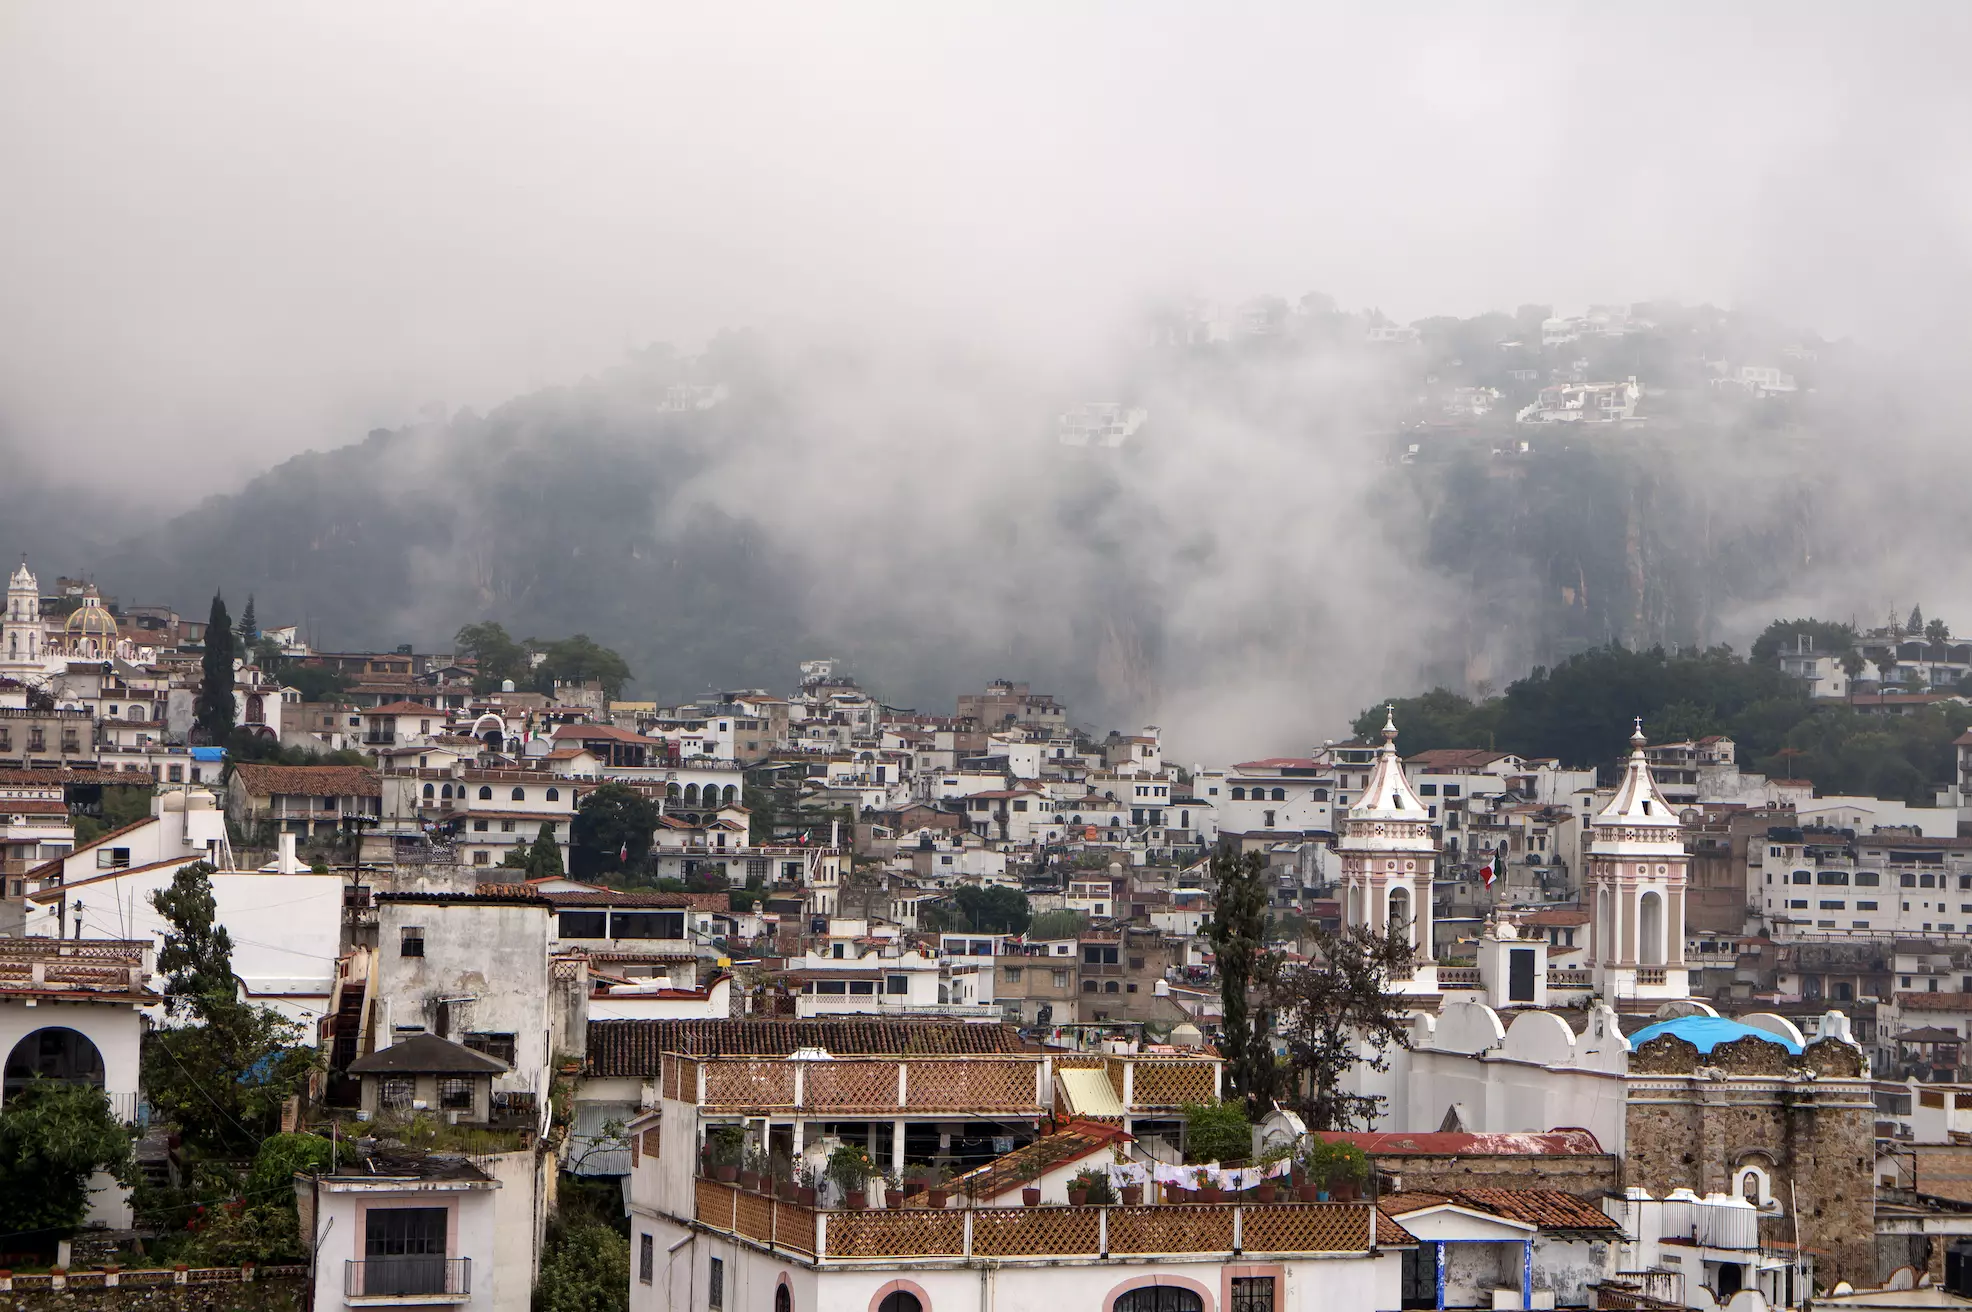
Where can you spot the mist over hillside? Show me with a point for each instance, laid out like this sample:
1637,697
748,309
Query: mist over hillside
1297,525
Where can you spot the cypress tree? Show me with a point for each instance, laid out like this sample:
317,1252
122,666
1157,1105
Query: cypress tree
213,712
1236,931
249,627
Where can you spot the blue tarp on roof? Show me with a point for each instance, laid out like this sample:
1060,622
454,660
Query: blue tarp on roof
208,753
1707,1032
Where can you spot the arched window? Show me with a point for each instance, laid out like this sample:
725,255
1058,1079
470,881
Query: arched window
1110,987
732,794
672,792
1321,794
1280,794
1400,912
900,1301
1158,1298
783,1300
53,1053
446,792
520,794
1239,794
485,793
554,795
431,792
691,794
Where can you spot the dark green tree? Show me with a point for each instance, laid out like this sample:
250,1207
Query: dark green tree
197,958
540,859
585,1265
1236,932
1336,1013
612,831
249,632
996,910
53,1136
213,712
573,659
498,656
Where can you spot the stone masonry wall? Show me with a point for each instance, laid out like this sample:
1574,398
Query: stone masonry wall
275,1294
1816,1143
1588,1175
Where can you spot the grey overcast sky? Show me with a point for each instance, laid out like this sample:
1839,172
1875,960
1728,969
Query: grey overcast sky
269,227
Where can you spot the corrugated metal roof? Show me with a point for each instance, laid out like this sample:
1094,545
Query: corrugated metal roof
1089,1093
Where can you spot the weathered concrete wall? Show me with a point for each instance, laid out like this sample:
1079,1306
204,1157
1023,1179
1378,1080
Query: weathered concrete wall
1588,1174
276,1294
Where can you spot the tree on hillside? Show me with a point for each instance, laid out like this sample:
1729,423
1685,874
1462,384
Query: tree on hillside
1336,1014
574,659
249,632
1915,625
996,910
612,831
1853,664
1239,922
197,958
540,859
213,712
1824,637
1055,925
222,1079
53,1137
498,656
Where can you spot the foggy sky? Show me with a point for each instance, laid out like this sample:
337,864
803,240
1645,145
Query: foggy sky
268,228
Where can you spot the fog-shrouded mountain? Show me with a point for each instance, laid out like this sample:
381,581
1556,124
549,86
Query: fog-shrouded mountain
1296,526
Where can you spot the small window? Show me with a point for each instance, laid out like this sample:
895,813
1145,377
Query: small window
554,794
1110,987
500,1046
454,1094
1251,1294
1427,790
1280,794
1804,876
862,987
1013,974
479,826
485,794
1088,986
646,1259
411,941
520,795
1865,906
1828,905
397,1091
715,1285
901,984
1867,878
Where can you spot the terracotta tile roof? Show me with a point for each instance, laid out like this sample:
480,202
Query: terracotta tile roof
1453,758
1015,1170
589,732
1550,1209
32,806
632,1047
307,780
1935,1001
607,898
49,778
1553,916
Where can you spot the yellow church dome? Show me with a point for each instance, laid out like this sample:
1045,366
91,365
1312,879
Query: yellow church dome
90,620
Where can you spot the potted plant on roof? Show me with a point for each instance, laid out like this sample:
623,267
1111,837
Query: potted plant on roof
1207,1189
1267,1190
804,1185
753,1166
728,1144
1091,1185
850,1170
780,1169
1315,1159
1348,1168
934,1179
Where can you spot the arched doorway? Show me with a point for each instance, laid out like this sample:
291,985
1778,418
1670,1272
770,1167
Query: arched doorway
1158,1298
1400,912
783,1300
53,1053
901,1300
1650,929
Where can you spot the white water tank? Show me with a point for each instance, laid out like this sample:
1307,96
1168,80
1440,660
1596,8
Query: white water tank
1727,1221
1678,1218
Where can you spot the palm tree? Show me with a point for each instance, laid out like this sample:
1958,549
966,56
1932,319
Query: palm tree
1886,665
1853,665
1936,633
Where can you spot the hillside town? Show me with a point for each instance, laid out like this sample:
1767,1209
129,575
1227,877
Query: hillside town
412,977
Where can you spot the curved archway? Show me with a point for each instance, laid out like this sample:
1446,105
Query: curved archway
1158,1294
1400,911
691,794
731,795
520,795
900,1296
554,794
431,792
53,1052
1650,929
485,793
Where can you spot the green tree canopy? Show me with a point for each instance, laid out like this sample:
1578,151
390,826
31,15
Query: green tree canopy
996,910
612,831
197,958
1057,924
1236,932
573,659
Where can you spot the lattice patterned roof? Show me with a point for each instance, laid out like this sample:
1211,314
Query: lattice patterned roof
633,1047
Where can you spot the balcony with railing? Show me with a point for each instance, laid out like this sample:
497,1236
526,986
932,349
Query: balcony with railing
847,1237
1458,977
407,1281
